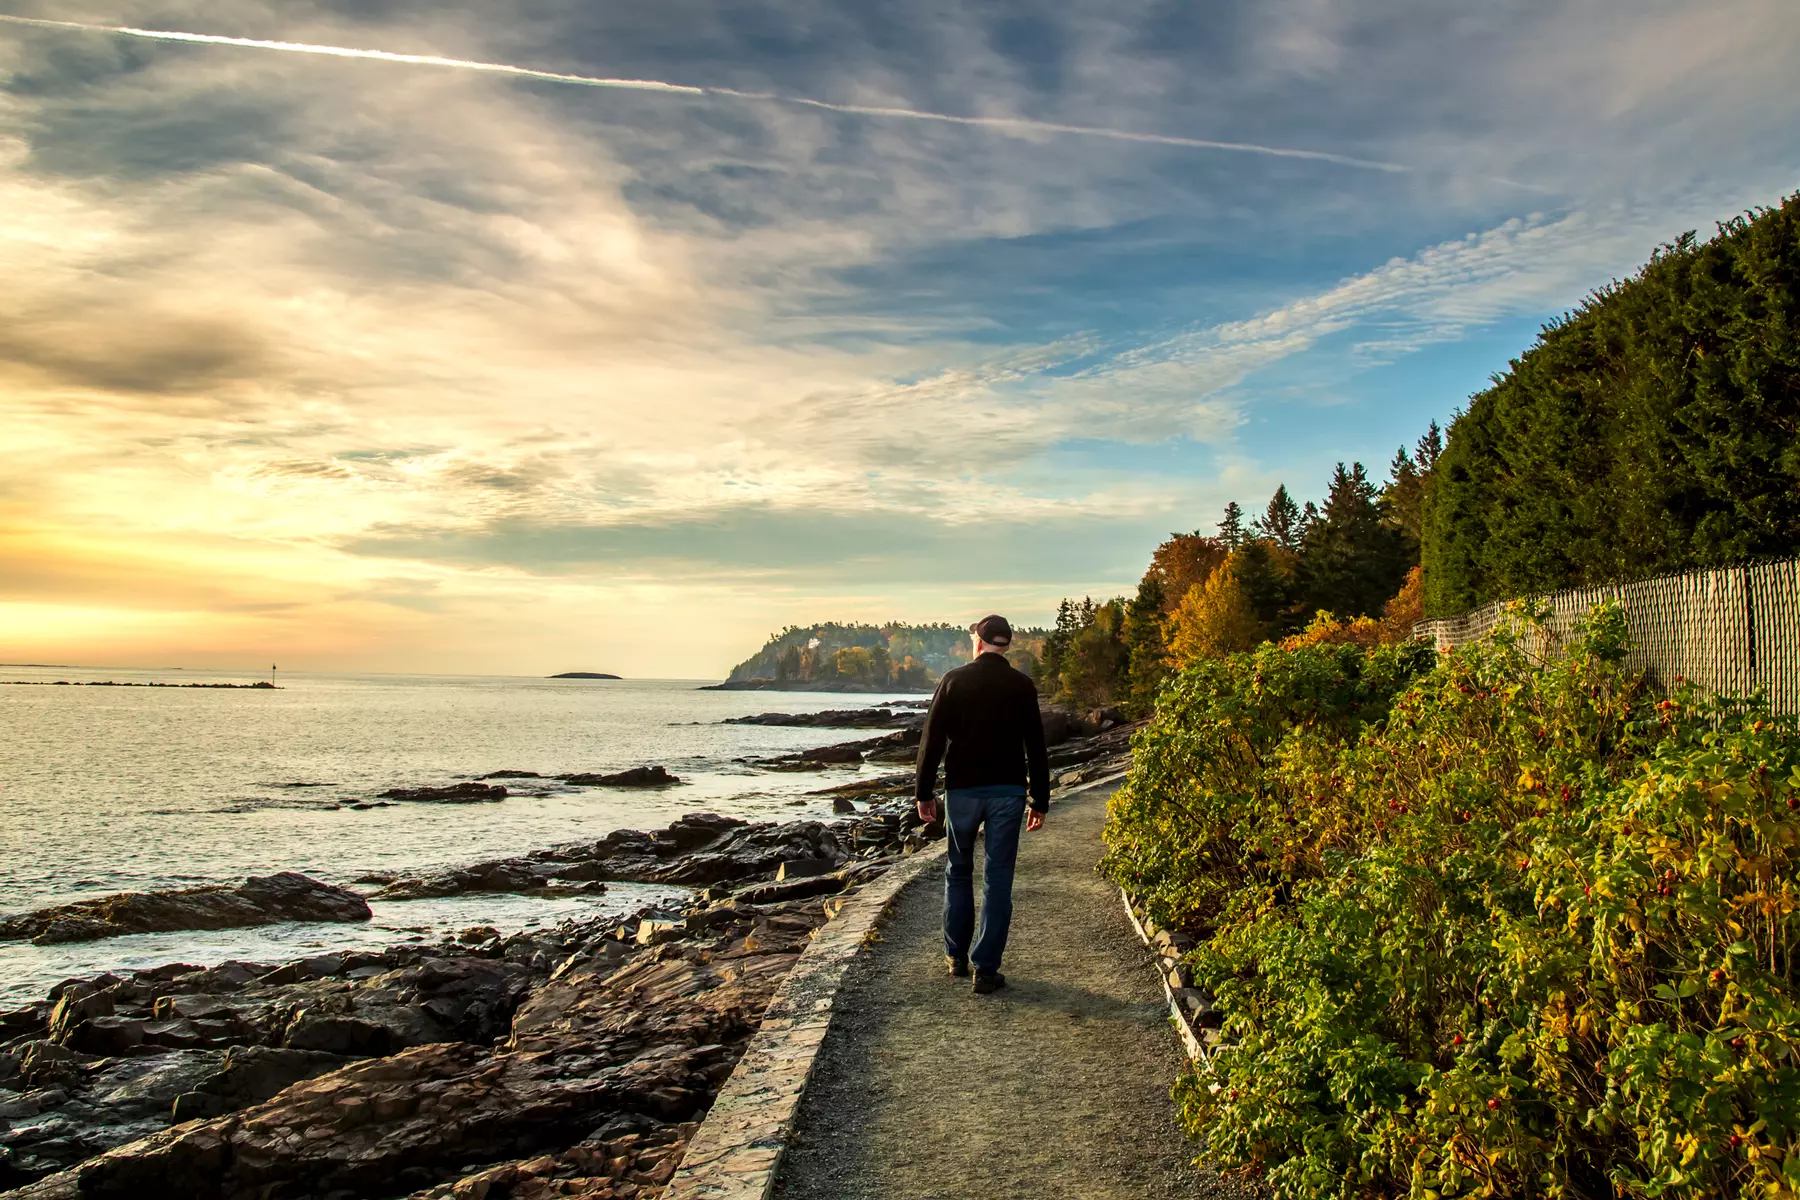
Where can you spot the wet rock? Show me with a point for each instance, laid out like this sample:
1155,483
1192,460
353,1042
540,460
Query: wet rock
696,851
654,776
802,868
846,753
106,1036
510,775
842,804
456,793
76,1006
351,1037
22,1022
264,900
791,889
835,718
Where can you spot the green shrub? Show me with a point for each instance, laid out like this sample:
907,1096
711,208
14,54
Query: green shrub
1486,928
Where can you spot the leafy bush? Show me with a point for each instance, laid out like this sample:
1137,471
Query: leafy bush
1481,927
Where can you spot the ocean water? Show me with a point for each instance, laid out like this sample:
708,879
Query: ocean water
130,788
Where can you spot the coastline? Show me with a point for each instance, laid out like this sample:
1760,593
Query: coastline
608,1036
124,1081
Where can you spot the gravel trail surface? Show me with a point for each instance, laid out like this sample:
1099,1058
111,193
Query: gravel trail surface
1056,1087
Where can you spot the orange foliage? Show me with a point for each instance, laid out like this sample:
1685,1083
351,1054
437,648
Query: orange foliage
1406,609
1183,561
1327,630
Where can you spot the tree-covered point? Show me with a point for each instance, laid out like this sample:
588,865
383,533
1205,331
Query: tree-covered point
1654,429
895,654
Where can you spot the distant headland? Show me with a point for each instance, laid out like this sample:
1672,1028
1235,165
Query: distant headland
836,657
585,675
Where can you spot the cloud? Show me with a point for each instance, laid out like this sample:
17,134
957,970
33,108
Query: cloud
447,350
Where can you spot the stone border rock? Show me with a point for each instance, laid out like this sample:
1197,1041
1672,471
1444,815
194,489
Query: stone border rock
1173,982
737,1149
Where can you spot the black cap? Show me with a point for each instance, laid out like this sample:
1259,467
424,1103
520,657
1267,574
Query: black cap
993,630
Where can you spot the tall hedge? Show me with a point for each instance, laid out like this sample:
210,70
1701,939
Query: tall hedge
1654,429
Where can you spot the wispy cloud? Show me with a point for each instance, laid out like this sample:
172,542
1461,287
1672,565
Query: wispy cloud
1006,125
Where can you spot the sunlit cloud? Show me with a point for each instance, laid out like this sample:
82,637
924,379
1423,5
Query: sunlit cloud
380,360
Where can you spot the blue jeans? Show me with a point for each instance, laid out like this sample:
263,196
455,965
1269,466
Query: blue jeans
1001,807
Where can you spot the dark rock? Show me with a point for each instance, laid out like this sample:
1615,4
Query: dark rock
653,776
802,868
842,804
165,972
349,1036
456,793
262,900
846,753
792,889
106,1036
510,775
76,1006
836,718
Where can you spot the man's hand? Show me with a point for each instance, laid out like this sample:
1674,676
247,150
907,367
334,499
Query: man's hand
928,811
1034,820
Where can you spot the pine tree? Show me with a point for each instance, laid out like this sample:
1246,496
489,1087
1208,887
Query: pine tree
1231,529
1281,521
1263,574
1351,560
1146,653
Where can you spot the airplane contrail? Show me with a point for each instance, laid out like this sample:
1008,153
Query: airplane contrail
1017,125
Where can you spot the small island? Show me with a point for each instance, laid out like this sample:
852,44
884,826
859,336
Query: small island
584,675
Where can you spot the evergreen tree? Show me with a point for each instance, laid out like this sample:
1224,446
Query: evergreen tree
1652,430
1262,574
1409,478
1146,653
1057,648
1231,528
1351,560
1094,669
1428,448
1281,521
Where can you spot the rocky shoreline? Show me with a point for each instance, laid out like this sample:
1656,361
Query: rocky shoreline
565,1062
409,1070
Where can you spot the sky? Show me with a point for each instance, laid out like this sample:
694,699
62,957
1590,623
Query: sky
877,311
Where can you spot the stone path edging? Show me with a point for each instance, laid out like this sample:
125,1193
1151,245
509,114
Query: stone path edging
1168,968
737,1149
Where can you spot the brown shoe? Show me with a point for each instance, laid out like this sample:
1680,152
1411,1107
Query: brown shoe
959,967
988,981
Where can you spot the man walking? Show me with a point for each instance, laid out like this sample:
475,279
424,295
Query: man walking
985,729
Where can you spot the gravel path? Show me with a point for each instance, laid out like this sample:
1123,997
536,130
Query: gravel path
1057,1086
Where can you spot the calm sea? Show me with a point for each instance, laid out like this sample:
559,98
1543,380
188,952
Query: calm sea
128,788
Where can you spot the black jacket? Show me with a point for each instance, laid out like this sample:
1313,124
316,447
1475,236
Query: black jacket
985,728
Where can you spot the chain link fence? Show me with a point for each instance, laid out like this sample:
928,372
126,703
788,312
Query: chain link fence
1731,629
